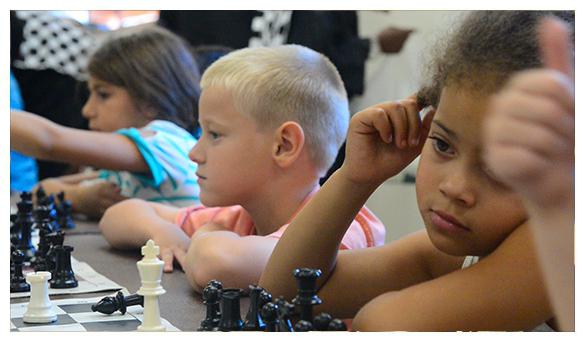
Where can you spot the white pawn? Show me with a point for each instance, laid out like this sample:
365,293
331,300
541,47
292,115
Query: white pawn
150,269
40,308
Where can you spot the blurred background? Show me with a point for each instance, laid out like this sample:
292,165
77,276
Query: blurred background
380,55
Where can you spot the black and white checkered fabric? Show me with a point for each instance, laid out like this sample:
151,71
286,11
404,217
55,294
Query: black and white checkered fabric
51,42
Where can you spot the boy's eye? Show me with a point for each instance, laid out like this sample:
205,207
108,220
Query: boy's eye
441,145
213,135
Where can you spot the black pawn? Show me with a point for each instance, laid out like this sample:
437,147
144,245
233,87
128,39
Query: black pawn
253,320
303,326
307,292
17,281
211,301
285,310
109,305
63,276
269,314
64,210
321,321
231,320
337,325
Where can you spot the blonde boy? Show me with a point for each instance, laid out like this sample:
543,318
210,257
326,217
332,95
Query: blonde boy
273,120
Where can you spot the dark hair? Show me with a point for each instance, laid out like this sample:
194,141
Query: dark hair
205,55
157,69
486,48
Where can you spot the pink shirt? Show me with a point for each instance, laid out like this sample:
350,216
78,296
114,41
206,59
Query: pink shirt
366,230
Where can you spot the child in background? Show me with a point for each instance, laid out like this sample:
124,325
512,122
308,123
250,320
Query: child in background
430,280
144,92
530,145
272,121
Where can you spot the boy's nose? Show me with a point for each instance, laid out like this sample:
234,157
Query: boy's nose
195,154
87,110
457,188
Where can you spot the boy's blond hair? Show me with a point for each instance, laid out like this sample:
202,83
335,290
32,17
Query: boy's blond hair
287,83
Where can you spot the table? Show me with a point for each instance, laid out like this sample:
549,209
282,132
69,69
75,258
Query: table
180,305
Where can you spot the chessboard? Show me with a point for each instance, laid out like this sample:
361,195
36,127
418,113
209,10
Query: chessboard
88,279
76,315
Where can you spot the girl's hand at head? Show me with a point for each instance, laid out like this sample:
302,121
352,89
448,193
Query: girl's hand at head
383,139
93,199
530,127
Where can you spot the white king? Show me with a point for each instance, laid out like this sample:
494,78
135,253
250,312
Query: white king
150,269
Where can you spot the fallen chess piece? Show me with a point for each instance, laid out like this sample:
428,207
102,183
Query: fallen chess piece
39,308
109,305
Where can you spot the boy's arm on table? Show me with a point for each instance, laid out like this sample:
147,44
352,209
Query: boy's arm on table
36,136
216,253
129,224
504,291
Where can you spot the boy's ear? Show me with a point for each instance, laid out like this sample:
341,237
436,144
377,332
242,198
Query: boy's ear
289,140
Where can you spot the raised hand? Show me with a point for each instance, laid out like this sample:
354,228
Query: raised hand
530,127
383,139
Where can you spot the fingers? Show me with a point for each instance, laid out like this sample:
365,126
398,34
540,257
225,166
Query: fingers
167,257
555,46
397,122
180,256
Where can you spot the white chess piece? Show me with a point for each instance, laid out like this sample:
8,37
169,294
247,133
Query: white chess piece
150,269
40,308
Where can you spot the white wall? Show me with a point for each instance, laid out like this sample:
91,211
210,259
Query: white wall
392,77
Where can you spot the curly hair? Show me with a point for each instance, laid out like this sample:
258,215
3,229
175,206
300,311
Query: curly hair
485,49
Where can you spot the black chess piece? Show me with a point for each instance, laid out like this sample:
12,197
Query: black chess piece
53,239
49,202
40,194
253,320
269,314
63,276
43,224
285,311
64,210
211,300
24,223
216,283
303,326
17,281
321,321
109,305
231,319
307,292
337,325
14,230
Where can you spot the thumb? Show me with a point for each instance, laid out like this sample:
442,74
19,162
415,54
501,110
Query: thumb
555,46
180,255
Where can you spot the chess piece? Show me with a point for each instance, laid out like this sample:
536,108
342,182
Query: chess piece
24,223
17,281
64,210
40,308
269,314
211,300
285,310
63,276
303,326
109,305
307,292
150,269
253,320
337,325
321,321
230,310
40,194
